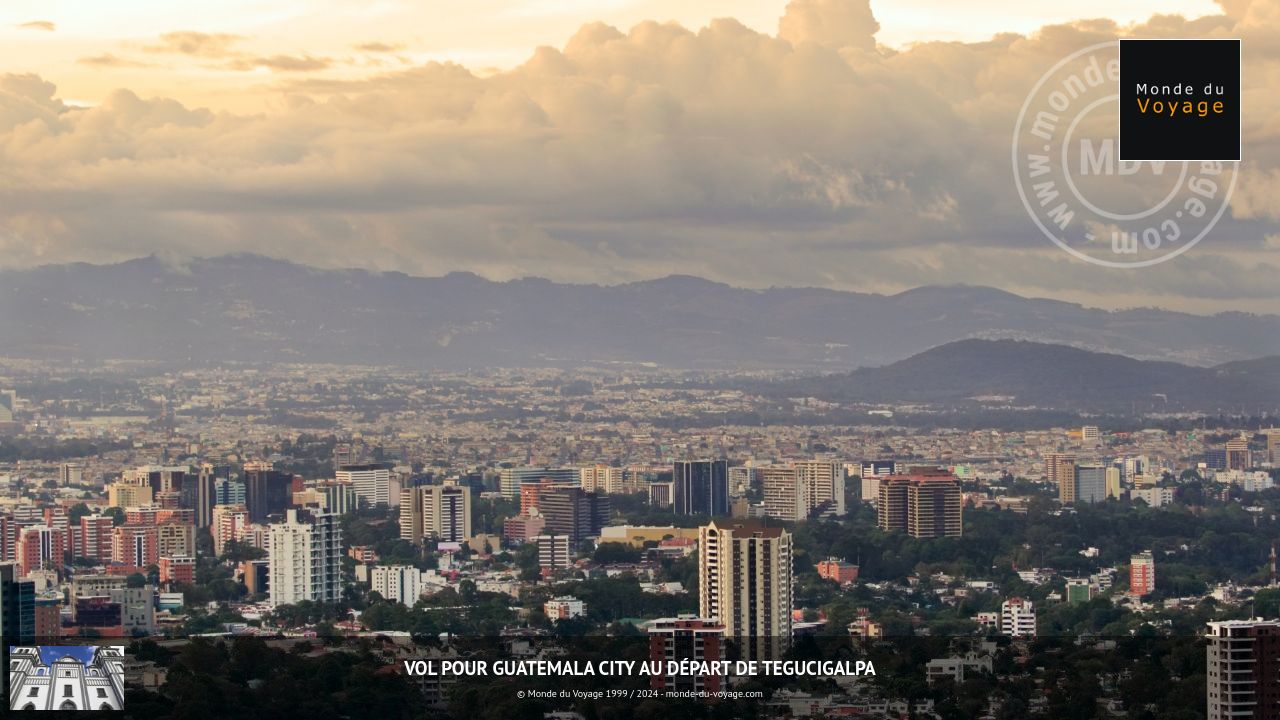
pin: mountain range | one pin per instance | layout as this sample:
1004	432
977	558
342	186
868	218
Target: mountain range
253	308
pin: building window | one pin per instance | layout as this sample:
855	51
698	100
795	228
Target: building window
102	692
34	692
66	691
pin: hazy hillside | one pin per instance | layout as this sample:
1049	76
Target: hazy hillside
254	308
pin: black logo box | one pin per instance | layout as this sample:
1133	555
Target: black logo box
1180	62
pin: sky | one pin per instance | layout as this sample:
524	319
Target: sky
833	143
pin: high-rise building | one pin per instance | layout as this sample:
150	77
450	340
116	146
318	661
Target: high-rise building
701	487
573	512
1273	445
802	490
601	478
70	474
925	504
1238	454
1242	672
175	539
1142	574
1091	483
40	546
441	511
230	522
554	553
398	583
17	607
305	557
95	537
1060	472
1018	617
870	472
744	584
207	487
135	546
371	482
662	494
178	569
680	639
267	491
510	480
123	494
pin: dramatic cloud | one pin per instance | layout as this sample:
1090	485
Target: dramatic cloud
811	157
43	25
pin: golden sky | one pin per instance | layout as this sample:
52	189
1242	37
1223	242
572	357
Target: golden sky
230	54
817	142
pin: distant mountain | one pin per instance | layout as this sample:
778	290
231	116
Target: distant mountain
1010	372
247	307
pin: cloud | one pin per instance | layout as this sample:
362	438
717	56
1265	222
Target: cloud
44	25
199	44
379	47
108	60
809	157
283	63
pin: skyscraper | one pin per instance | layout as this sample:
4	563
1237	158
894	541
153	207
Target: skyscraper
305	558
206	495
267	491
1242	670
701	487
744	584
1238	454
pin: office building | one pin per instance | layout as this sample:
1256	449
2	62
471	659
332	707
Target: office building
745	584
1142	574
1242	670
70	474
801	490
268	492
662	494
1018	617
701	487
925	504
510	480
176	539
95	537
838	570
1090	435
180	569
206	496
685	638
1237	454
573	512
371	482
230	522
564	607
1091	483
398	583
17	606
305	559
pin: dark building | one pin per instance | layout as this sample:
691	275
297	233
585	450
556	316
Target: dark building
206	494
267	491
99	614
1215	458
573	512
1242	678
701	487
17	614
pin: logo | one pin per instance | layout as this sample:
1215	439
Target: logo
1082	196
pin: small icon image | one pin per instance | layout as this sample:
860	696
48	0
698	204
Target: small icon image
66	677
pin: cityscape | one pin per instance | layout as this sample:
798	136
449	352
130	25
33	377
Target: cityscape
304	506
